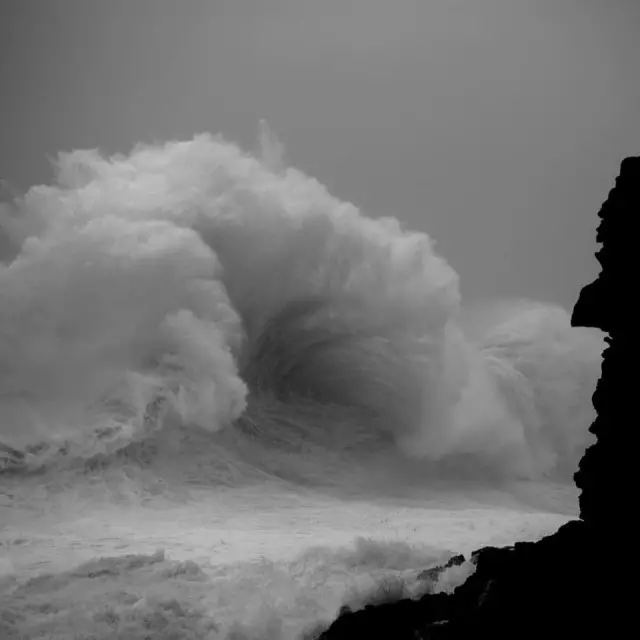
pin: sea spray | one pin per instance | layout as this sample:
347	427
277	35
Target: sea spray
212	279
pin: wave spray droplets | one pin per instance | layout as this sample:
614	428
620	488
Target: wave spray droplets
227	285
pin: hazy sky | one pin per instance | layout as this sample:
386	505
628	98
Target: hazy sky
496	126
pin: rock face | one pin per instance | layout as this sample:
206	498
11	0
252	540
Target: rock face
554	588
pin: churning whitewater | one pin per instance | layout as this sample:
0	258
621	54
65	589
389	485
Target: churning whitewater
193	293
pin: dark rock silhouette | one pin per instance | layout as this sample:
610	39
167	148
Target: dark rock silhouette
434	573
554	588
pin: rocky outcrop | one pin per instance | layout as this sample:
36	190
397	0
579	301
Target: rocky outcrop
558	587
528	590
432	574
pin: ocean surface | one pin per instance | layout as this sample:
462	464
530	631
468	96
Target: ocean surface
202	351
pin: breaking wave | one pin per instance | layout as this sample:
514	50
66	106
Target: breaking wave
240	297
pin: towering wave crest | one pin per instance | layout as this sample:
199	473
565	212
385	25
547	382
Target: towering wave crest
198	274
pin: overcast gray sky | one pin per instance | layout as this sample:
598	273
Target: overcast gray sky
496	126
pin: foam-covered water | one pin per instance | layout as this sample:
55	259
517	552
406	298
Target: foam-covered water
234	310
204	352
